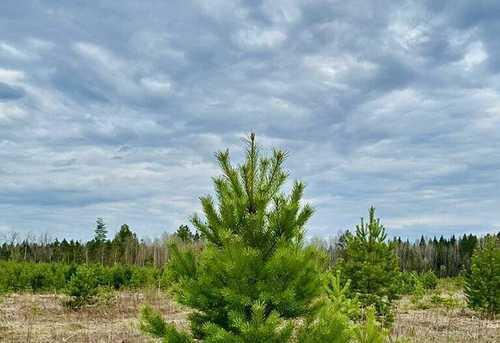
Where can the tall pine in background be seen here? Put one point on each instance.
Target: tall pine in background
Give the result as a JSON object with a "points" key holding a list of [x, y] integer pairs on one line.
{"points": [[100, 236], [254, 278], [100, 232]]}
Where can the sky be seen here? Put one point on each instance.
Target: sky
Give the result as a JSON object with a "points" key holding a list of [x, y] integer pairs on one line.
{"points": [[114, 109]]}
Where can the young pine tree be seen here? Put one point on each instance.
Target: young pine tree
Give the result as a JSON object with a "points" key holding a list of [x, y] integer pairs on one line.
{"points": [[254, 278], [371, 265], [82, 287], [482, 284]]}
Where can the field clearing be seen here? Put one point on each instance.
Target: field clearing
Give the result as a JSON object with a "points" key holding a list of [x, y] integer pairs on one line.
{"points": [[42, 318], [441, 324]]}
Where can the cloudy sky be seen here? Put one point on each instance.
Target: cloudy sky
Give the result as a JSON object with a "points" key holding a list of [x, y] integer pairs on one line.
{"points": [[115, 108]]}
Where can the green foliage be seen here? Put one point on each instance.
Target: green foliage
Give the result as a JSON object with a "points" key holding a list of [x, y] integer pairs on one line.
{"points": [[411, 283], [371, 265], [20, 276], [482, 284], [261, 327], [152, 323], [185, 234], [448, 302], [143, 277], [333, 323], [341, 301], [100, 232], [53, 277], [106, 296], [418, 296], [82, 287], [370, 331], [407, 282], [253, 269], [254, 281], [328, 325], [429, 280]]}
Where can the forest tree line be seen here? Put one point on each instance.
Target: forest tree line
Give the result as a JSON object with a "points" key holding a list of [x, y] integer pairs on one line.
{"points": [[446, 257], [124, 248]]}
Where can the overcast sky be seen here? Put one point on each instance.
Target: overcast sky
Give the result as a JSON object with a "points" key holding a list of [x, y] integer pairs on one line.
{"points": [[114, 109]]}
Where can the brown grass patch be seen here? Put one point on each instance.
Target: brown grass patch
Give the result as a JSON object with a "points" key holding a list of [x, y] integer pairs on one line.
{"points": [[439, 323], [43, 318]]}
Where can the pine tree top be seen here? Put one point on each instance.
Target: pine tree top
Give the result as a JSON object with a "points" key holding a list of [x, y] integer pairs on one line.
{"points": [[249, 205]]}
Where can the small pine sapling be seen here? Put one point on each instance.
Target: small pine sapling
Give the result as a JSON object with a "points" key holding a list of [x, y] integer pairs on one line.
{"points": [[482, 284], [372, 266]]}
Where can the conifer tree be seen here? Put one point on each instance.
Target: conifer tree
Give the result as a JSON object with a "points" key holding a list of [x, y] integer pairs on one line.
{"points": [[254, 278], [100, 232], [371, 265], [482, 284], [184, 233], [100, 235]]}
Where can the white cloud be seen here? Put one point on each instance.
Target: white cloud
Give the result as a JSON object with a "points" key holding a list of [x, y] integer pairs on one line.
{"points": [[12, 51], [474, 56], [157, 86], [337, 70], [11, 76], [256, 38]]}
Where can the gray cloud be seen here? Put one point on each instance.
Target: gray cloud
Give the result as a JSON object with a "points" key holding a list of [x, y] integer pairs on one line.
{"points": [[10, 93], [115, 110]]}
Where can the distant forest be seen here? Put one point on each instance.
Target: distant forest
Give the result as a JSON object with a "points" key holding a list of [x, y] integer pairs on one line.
{"points": [[446, 257]]}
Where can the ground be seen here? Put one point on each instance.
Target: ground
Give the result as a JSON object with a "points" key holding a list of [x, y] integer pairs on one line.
{"points": [[42, 318]]}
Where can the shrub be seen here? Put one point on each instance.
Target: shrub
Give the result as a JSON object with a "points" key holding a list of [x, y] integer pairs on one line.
{"points": [[334, 322], [82, 287], [328, 325], [28, 276], [105, 296], [482, 284], [418, 296], [429, 280], [143, 277], [24, 276], [447, 301], [370, 331], [153, 324], [120, 276], [406, 282], [339, 295]]}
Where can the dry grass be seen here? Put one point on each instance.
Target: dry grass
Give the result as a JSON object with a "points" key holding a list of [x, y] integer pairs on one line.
{"points": [[449, 322], [42, 318], [438, 325]]}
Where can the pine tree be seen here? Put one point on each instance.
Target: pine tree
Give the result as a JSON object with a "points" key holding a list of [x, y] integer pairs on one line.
{"points": [[253, 268], [371, 265], [100, 232], [184, 233], [254, 278], [482, 284], [100, 235], [125, 245], [82, 287]]}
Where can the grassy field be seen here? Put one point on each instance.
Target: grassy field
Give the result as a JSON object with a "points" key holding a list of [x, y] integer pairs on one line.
{"points": [[42, 318]]}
